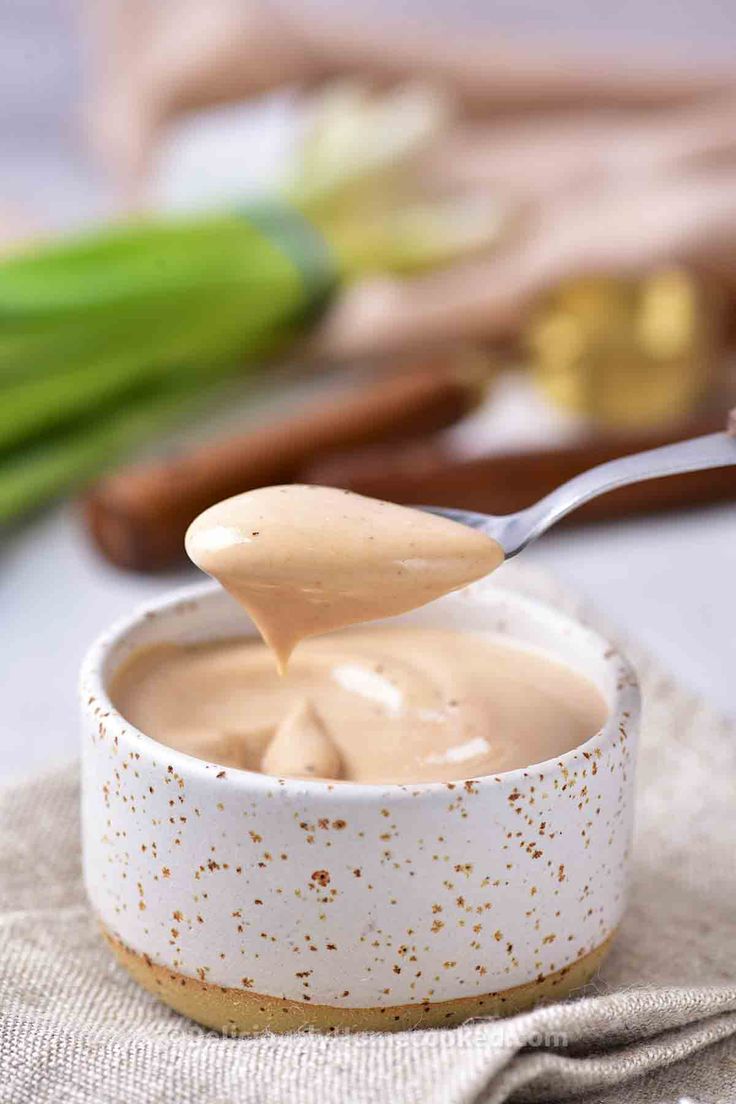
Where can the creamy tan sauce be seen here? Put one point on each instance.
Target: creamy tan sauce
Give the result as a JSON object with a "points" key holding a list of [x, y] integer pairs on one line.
{"points": [[384, 704], [306, 560], [370, 705]]}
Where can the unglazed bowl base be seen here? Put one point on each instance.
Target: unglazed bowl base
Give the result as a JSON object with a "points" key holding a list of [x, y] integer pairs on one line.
{"points": [[242, 1012]]}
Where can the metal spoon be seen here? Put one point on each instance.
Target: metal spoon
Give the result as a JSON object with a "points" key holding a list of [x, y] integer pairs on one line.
{"points": [[515, 531]]}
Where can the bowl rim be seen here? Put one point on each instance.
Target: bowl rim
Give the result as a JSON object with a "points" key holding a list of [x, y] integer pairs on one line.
{"points": [[95, 701]]}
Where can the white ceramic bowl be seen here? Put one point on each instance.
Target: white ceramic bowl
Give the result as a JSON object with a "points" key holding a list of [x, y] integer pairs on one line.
{"points": [[249, 902]]}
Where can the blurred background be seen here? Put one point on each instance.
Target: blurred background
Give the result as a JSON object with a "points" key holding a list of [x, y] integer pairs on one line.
{"points": [[433, 252]]}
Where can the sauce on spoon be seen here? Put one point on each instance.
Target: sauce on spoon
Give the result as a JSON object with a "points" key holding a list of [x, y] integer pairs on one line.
{"points": [[305, 560]]}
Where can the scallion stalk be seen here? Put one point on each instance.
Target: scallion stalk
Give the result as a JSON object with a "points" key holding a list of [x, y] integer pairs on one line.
{"points": [[31, 477], [105, 336]]}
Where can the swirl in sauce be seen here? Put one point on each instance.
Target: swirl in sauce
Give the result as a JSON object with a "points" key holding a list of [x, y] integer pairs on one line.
{"points": [[376, 705]]}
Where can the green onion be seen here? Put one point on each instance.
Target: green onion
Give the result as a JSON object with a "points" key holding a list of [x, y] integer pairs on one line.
{"points": [[105, 336], [31, 477]]}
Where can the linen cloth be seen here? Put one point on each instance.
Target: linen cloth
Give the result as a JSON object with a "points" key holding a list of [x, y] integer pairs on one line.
{"points": [[658, 1023]]}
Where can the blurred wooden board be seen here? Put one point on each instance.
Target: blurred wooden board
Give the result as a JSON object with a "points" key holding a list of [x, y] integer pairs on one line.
{"points": [[503, 483]]}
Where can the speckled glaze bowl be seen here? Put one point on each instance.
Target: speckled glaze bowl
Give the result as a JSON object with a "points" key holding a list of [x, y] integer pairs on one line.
{"points": [[249, 902]]}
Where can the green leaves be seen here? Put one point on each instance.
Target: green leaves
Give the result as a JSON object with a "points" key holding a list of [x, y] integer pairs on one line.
{"points": [[109, 328], [151, 294], [31, 476], [106, 337]]}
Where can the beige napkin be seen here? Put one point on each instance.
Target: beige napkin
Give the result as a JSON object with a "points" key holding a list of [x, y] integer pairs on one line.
{"points": [[661, 1022]]}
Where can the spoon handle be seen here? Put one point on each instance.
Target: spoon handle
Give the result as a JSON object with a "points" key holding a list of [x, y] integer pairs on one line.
{"points": [[715, 450]]}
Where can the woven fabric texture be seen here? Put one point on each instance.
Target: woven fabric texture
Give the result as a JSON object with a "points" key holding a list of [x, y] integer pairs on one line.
{"points": [[659, 1023]]}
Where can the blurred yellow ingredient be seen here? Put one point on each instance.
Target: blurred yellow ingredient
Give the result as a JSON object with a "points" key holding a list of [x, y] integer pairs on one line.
{"points": [[630, 353]]}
